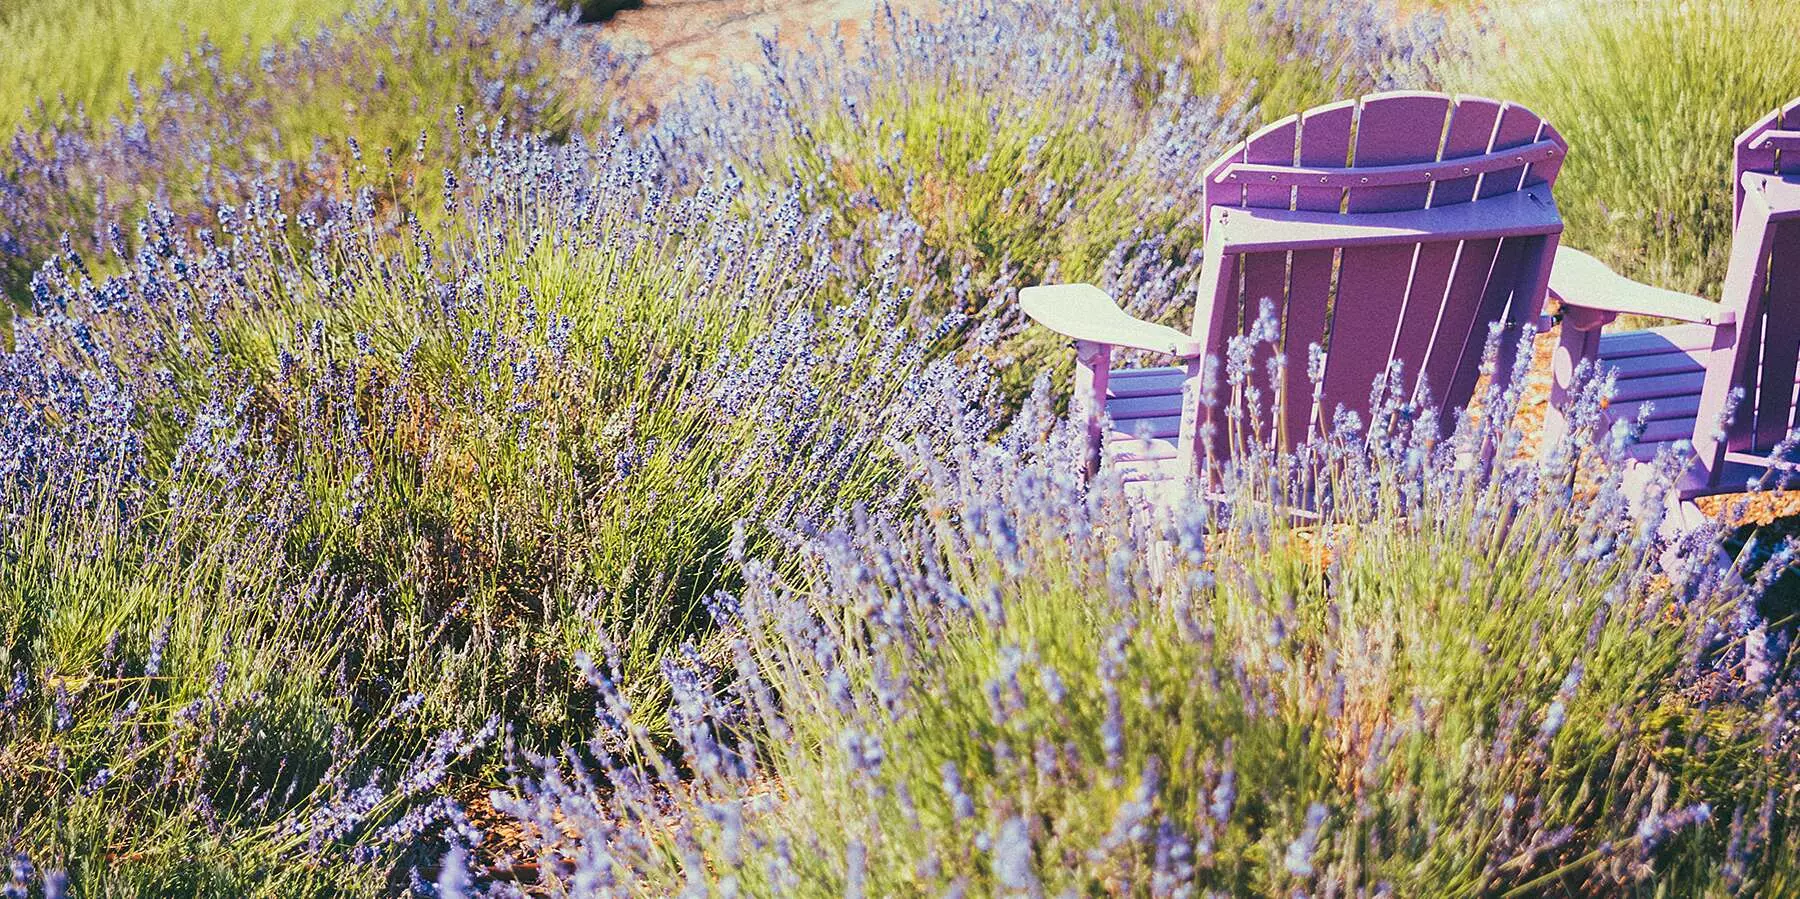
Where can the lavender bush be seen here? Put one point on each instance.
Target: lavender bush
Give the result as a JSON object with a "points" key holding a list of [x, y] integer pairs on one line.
{"points": [[1006, 142], [463, 495], [1449, 679], [378, 97], [436, 468]]}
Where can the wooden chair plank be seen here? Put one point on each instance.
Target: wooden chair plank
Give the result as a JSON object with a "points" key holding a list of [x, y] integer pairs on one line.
{"points": [[1518, 126], [1372, 284], [1765, 158], [1433, 310], [1780, 339], [1427, 301], [1121, 446], [1655, 364], [1154, 473], [1265, 281], [1273, 145], [1161, 426], [1669, 429], [1734, 375], [1526, 213], [1669, 407], [1265, 274], [1324, 140], [1123, 408], [1394, 129], [1373, 281], [1145, 381], [1544, 171], [1471, 132], [1620, 345], [1659, 387]]}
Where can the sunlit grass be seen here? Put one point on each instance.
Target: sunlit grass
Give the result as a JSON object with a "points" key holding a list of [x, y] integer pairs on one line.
{"points": [[1649, 94], [71, 55]]}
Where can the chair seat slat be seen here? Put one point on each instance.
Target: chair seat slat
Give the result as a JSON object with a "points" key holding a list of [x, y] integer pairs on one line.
{"points": [[1659, 386], [1652, 365], [1652, 341], [1135, 382]]}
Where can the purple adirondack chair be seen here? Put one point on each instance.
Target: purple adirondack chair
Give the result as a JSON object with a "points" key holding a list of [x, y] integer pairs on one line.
{"points": [[1395, 227], [1746, 347]]}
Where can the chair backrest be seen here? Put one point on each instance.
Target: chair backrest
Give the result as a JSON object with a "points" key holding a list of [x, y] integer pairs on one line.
{"points": [[1763, 285], [1395, 227]]}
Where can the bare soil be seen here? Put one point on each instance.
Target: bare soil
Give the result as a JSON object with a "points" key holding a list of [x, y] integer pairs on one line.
{"points": [[686, 41]]}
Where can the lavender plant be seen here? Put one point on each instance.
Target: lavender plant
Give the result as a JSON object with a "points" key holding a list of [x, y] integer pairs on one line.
{"points": [[393, 447], [1449, 676], [327, 469], [1002, 143], [381, 97]]}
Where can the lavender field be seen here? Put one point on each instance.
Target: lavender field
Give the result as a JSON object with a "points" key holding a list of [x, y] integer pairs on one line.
{"points": [[427, 468]]}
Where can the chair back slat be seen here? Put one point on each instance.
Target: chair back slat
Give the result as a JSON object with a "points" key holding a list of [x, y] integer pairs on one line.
{"points": [[1397, 129], [1755, 155], [1265, 274], [1393, 129], [1324, 141], [1780, 339], [1427, 302], [1448, 271], [1512, 290]]}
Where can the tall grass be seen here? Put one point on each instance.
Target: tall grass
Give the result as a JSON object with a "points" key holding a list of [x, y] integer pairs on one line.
{"points": [[1285, 56], [71, 56], [386, 95], [1650, 94]]}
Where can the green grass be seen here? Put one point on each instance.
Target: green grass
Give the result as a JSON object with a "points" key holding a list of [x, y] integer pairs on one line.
{"points": [[1649, 94], [1283, 57], [383, 96], [80, 52]]}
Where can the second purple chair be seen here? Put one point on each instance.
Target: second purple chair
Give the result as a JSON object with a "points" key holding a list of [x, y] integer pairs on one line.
{"points": [[1731, 363]]}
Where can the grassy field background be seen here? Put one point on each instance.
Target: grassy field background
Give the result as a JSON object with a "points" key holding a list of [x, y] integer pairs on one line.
{"points": [[431, 474], [80, 55]]}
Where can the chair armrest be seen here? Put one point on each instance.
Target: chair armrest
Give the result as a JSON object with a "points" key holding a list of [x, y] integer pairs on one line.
{"points": [[1583, 282], [1085, 312]]}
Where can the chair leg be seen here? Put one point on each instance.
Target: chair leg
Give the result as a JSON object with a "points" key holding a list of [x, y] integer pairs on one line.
{"points": [[1682, 527], [1572, 346], [1093, 364], [1689, 551]]}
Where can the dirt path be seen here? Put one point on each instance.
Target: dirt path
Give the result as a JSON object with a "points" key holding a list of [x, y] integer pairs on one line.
{"points": [[685, 41]]}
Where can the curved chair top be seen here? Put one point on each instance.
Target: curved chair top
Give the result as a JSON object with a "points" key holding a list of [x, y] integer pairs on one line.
{"points": [[1389, 152], [1771, 146]]}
